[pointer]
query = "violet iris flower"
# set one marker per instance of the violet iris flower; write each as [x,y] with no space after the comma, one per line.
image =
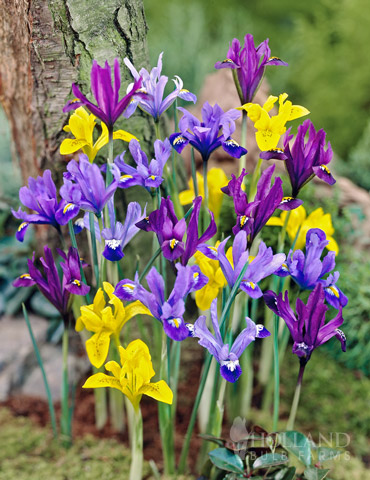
[170,230]
[252,216]
[307,327]
[307,269]
[263,265]
[148,175]
[169,312]
[305,159]
[56,291]
[153,85]
[205,135]
[40,196]
[227,357]
[109,108]
[249,63]
[84,188]
[117,236]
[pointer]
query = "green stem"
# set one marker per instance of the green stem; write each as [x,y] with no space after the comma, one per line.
[297,393]
[94,250]
[116,399]
[164,414]
[276,374]
[44,378]
[254,181]
[136,467]
[194,173]
[64,422]
[207,364]
[74,244]
[174,153]
[243,159]
[205,183]
[157,130]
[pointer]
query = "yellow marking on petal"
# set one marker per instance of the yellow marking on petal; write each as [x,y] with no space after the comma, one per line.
[252,285]
[274,58]
[22,225]
[124,178]
[176,322]
[184,90]
[26,275]
[243,220]
[179,139]
[334,291]
[287,199]
[325,168]
[173,243]
[68,207]
[227,60]
[153,177]
[76,282]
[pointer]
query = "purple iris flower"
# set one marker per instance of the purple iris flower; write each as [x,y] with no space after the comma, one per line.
[109,107]
[250,63]
[308,327]
[307,269]
[117,236]
[148,175]
[263,265]
[205,135]
[169,312]
[84,188]
[56,291]
[252,216]
[40,196]
[153,85]
[170,230]
[305,159]
[227,357]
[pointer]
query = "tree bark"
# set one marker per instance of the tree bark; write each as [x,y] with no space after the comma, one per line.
[48,45]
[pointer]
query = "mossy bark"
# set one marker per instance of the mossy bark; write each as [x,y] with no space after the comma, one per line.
[46,45]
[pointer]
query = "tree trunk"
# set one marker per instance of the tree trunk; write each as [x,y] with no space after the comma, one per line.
[47,45]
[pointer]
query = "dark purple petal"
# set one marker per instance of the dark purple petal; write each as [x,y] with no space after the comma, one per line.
[176,329]
[233,148]
[324,174]
[178,141]
[231,371]
[290,203]
[24,280]
[125,290]
[21,231]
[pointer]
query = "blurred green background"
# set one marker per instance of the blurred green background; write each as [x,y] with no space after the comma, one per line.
[325,43]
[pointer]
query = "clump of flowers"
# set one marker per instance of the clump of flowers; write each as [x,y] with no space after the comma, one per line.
[232,275]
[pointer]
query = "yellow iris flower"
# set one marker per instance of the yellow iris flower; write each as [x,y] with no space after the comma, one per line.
[81,125]
[298,219]
[133,376]
[270,129]
[216,179]
[216,280]
[104,321]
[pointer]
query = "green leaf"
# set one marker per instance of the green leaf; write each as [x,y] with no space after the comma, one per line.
[313,473]
[285,474]
[297,444]
[326,453]
[270,460]
[226,460]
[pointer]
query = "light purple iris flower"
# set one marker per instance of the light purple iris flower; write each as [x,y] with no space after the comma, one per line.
[118,235]
[109,107]
[169,312]
[84,188]
[249,63]
[263,265]
[41,197]
[252,216]
[227,357]
[170,230]
[305,159]
[213,131]
[56,291]
[153,86]
[307,327]
[307,269]
[148,175]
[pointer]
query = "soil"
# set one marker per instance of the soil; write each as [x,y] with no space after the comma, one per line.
[84,418]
